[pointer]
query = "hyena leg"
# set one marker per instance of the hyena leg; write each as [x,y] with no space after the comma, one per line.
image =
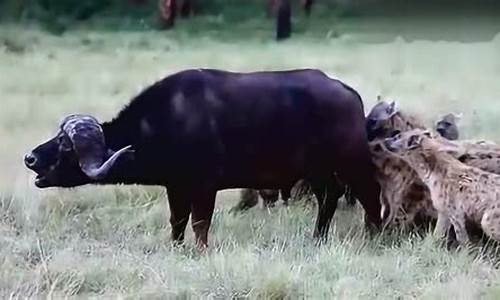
[458,222]
[387,211]
[491,224]
[442,226]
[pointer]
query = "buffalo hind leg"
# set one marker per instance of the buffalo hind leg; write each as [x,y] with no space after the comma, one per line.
[180,208]
[327,191]
[202,207]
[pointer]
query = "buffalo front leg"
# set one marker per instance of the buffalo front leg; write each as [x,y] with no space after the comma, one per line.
[180,208]
[202,207]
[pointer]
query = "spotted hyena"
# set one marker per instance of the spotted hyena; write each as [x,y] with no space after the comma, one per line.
[447,126]
[386,119]
[459,193]
[404,197]
[482,155]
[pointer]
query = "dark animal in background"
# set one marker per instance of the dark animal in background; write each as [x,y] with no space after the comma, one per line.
[281,9]
[187,8]
[284,20]
[199,131]
[169,9]
[447,126]
[307,5]
[167,12]
[272,7]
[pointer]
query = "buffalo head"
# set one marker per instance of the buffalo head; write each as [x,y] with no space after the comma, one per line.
[77,155]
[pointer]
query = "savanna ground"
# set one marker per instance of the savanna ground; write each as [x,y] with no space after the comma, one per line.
[114,241]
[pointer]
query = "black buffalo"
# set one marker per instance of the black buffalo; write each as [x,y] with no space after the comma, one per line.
[200,131]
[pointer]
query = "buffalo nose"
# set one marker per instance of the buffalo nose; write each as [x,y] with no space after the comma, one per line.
[30,160]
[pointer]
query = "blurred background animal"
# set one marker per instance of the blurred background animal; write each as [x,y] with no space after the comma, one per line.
[447,126]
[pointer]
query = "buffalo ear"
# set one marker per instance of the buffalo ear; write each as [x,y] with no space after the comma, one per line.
[87,138]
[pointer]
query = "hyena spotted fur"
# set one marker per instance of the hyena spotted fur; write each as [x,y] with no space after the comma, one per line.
[459,193]
[404,197]
[385,119]
[401,196]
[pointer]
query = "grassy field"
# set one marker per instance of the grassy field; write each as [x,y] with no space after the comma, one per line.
[113,241]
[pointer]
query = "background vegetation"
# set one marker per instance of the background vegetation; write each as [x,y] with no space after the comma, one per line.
[113,241]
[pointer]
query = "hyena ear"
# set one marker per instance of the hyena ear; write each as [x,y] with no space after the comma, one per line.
[392,109]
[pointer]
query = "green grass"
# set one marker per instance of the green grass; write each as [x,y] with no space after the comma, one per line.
[114,241]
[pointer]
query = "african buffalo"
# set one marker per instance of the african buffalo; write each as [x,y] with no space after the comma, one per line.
[199,131]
